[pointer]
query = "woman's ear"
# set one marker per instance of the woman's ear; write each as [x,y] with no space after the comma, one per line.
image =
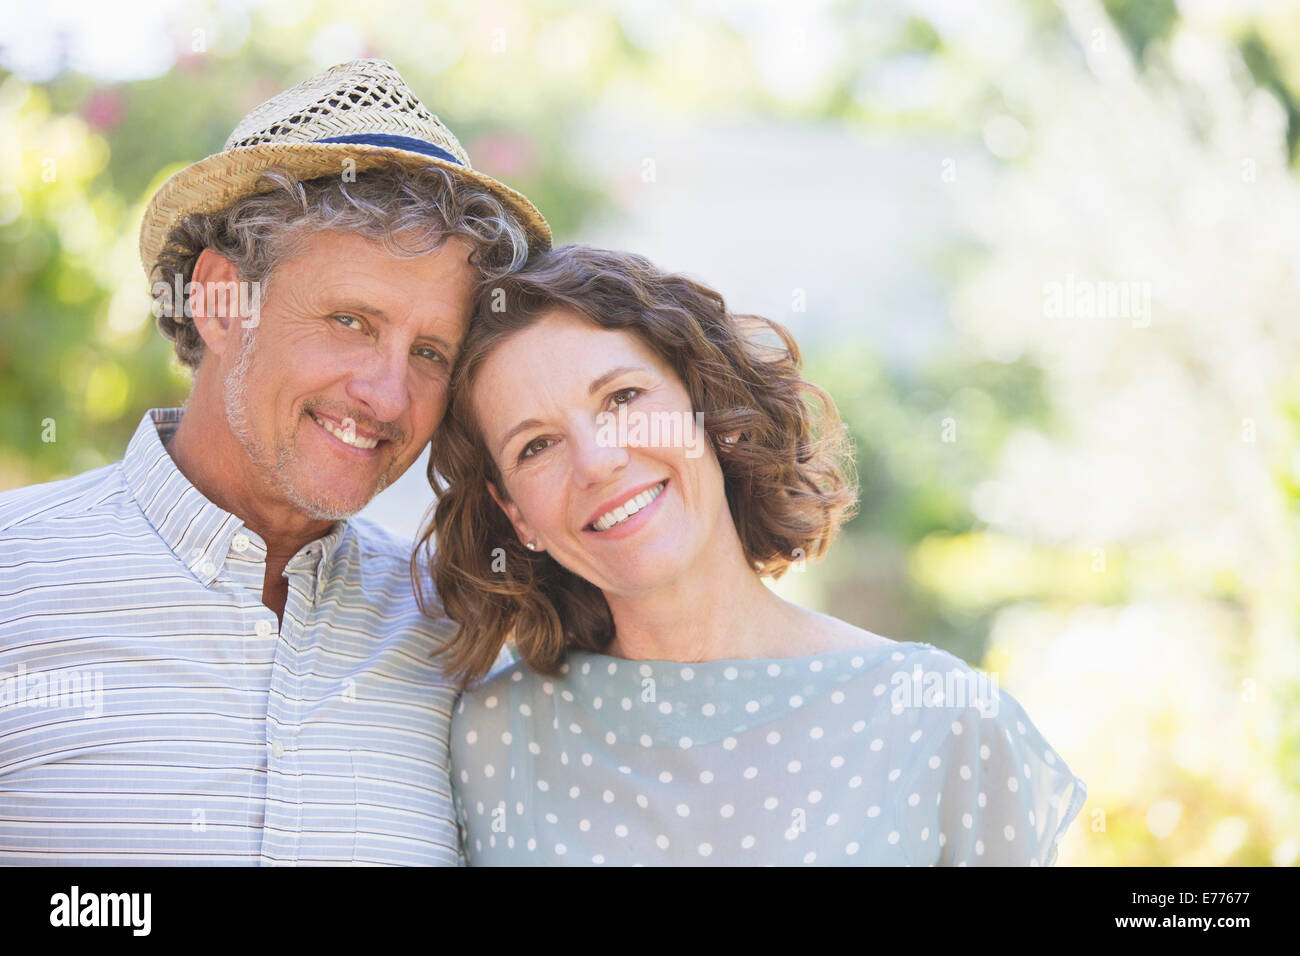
[511,510]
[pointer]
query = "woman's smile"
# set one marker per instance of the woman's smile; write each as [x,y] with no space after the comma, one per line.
[632,513]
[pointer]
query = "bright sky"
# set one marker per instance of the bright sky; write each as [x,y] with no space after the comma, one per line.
[135,39]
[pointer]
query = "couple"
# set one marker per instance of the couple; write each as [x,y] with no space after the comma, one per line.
[209,660]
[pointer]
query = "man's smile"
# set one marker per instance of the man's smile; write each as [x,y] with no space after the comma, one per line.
[346,433]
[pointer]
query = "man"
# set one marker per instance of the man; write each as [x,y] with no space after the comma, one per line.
[202,658]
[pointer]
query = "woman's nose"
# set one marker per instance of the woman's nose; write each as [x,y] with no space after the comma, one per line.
[596,458]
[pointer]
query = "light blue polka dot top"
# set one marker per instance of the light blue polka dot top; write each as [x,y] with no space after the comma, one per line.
[898,754]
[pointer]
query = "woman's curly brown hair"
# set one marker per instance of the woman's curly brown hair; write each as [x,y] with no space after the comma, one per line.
[789,476]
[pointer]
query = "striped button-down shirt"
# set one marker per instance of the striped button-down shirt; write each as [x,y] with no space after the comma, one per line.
[153,711]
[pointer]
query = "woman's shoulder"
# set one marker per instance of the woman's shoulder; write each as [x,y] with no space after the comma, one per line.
[831,635]
[497,693]
[914,685]
[825,634]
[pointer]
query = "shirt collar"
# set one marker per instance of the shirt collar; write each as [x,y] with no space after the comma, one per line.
[199,532]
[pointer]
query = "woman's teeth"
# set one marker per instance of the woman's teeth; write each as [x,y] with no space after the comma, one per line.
[348,436]
[628,508]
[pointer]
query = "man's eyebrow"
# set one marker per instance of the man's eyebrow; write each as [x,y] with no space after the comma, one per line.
[382,316]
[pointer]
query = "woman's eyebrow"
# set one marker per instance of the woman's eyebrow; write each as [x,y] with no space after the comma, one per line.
[594,387]
[522,426]
[599,383]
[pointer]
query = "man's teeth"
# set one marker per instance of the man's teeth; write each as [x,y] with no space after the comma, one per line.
[347,436]
[628,508]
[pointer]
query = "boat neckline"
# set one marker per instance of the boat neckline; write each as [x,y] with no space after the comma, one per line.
[871,650]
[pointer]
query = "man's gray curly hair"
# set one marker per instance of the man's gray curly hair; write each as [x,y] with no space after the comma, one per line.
[411,211]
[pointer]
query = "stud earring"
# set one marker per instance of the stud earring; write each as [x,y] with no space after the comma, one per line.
[531,545]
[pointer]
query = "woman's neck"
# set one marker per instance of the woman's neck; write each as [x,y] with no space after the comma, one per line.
[718,609]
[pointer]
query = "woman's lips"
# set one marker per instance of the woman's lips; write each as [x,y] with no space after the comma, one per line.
[636,521]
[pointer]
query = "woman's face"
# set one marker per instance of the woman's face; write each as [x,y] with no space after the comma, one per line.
[601,457]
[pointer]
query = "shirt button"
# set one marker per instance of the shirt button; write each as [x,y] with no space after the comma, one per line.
[277,750]
[206,568]
[240,542]
[263,628]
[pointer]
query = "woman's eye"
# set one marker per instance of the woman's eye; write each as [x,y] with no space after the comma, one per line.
[534,447]
[624,395]
[432,355]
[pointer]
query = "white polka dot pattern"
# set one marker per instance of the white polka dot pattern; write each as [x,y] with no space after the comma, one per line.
[844,758]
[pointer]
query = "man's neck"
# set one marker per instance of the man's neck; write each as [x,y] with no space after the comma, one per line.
[215,463]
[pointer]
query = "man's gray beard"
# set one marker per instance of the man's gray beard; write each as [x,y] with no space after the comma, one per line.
[281,464]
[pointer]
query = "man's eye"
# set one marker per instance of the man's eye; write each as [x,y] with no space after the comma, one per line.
[345,319]
[624,395]
[431,354]
[534,447]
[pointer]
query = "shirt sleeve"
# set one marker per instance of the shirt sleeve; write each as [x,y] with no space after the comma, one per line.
[462,833]
[1008,797]
[457,808]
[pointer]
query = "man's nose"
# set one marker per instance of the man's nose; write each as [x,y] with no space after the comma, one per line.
[381,383]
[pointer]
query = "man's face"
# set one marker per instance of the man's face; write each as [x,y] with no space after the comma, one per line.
[340,386]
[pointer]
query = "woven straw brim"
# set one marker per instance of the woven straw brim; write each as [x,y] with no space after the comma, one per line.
[214,183]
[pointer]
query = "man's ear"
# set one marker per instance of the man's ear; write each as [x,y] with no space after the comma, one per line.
[511,511]
[217,326]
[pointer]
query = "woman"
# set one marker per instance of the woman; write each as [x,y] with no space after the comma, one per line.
[622,462]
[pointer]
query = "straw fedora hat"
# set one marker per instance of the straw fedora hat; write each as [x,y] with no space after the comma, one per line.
[361,110]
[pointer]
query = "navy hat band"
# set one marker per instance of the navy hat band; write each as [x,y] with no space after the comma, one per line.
[408,143]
